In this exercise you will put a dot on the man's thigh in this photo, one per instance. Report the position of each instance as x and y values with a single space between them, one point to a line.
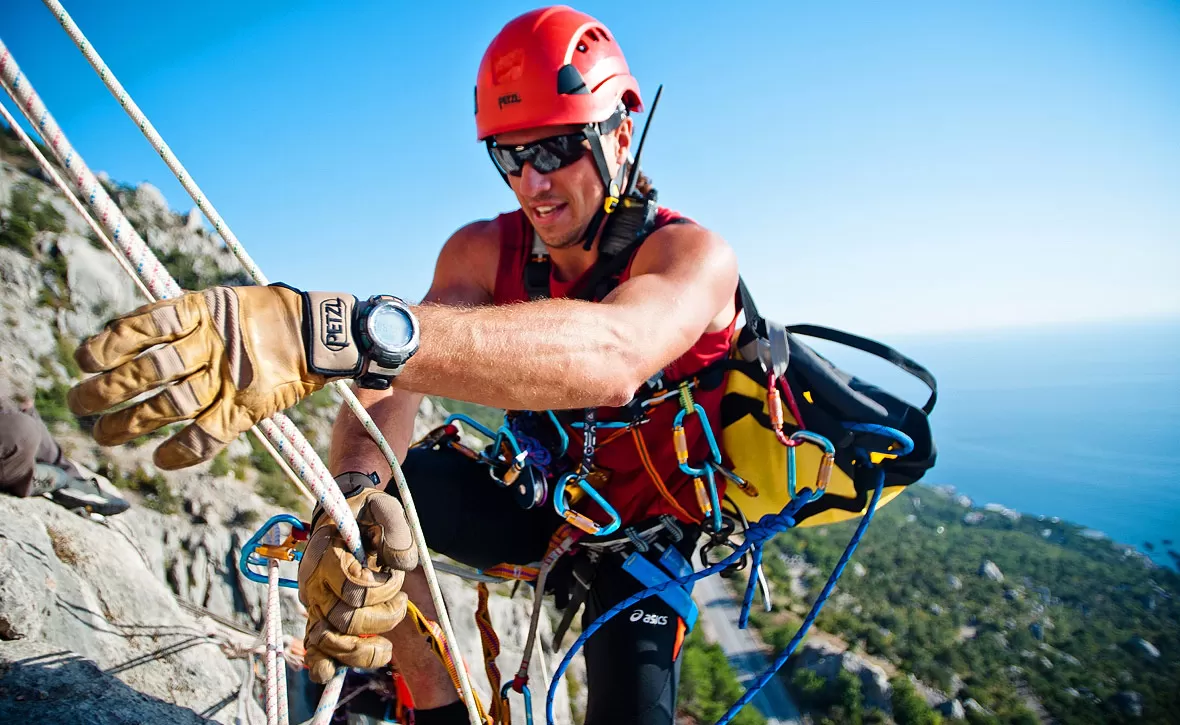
633 661
470 519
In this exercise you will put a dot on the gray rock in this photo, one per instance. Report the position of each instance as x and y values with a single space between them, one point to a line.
40 682
99 288
953 710
73 586
973 517
1130 702
963 501
1148 649
1003 511
858 569
933 696
936 609
989 570
827 661
954 582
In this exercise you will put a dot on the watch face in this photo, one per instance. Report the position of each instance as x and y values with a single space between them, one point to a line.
389 327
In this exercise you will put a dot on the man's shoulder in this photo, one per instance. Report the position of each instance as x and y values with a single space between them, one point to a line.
471 255
681 235
484 234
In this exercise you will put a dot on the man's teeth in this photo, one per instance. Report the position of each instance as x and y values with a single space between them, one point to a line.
543 210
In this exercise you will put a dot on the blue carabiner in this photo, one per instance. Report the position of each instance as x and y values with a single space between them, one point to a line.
565 439
528 699
582 521
251 557
680 440
469 421
824 473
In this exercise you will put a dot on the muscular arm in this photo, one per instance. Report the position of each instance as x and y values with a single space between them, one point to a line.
560 354
548 354
464 276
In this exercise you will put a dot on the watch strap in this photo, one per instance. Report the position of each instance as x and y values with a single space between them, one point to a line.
331 345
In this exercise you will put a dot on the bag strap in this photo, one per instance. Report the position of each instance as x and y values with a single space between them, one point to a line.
759 327
873 347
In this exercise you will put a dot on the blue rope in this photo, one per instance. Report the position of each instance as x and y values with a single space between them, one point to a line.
751 585
759 533
905 447
765 677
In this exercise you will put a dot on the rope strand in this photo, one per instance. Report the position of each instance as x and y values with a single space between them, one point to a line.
235 246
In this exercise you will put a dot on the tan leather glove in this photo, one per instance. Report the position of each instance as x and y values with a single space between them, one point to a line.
350 606
229 356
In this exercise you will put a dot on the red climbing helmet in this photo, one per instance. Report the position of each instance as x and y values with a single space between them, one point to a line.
548 67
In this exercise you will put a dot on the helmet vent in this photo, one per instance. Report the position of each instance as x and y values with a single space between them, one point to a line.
570 82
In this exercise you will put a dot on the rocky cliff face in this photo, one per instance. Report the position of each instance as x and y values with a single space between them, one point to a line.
144 617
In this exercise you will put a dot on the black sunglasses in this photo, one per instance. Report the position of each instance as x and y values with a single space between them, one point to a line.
546 155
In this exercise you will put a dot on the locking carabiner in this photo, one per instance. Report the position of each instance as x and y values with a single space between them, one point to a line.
255 553
523 689
580 520
824 474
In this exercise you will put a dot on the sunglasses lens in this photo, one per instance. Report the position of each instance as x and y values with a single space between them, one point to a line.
507 160
546 156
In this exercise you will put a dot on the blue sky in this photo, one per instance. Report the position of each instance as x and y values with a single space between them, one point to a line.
885 168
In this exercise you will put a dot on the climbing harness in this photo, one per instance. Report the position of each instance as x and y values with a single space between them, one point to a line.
286 438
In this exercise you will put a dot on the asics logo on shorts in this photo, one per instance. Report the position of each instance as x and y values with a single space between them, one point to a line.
640 616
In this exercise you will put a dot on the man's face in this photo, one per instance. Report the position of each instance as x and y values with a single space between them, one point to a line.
561 204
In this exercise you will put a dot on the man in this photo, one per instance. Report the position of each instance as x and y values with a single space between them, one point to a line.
33 464
520 315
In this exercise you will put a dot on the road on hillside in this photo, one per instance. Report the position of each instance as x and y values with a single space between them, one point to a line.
719 617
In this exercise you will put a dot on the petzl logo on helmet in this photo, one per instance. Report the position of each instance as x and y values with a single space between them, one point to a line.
508 99
333 330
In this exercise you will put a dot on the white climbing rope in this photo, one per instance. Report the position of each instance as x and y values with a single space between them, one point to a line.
280 430
160 284
231 240
276 693
104 237
276 665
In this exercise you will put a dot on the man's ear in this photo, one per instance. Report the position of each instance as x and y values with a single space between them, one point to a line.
624 135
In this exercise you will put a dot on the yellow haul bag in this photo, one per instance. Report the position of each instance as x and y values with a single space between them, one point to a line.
820 398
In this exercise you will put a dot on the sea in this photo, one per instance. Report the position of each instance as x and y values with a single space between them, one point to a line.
1078 422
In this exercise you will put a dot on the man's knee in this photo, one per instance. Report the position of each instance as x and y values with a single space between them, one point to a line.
20 435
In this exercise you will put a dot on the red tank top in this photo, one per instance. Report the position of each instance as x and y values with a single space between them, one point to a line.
644 479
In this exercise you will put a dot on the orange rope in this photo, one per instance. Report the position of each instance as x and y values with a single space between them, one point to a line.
645 456
437 641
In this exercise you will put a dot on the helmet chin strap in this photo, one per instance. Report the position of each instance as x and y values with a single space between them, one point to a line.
612 184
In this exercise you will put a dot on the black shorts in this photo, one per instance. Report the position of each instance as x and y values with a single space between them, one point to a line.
632 662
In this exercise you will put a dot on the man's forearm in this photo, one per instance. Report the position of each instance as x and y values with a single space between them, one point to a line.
556 354
352 448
